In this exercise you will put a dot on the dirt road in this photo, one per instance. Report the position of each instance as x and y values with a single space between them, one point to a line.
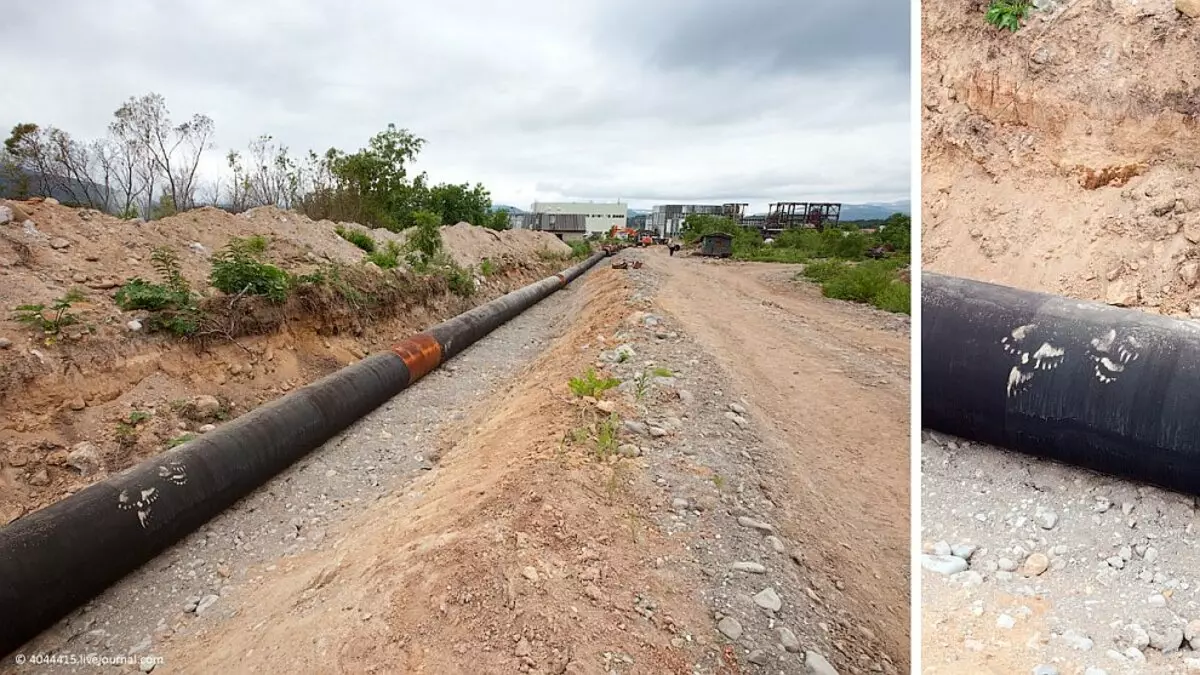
833 381
718 532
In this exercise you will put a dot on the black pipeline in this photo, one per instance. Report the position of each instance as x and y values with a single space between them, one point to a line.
1110 389
57 558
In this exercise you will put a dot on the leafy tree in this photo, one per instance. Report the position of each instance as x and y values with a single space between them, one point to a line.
498 220
897 231
699 224
376 176
460 203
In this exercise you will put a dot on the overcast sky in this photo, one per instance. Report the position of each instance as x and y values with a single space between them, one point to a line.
649 101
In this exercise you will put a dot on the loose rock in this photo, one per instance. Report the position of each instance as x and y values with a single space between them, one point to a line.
84 458
768 599
944 564
1035 564
788 639
730 628
206 602
752 567
746 521
816 664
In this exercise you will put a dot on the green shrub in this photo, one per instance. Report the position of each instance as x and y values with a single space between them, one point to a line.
358 238
387 258
172 302
1007 14
237 270
897 297
824 270
460 280
487 268
425 237
860 283
580 249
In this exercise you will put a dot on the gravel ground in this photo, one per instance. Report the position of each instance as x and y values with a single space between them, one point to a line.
291 513
713 468
1030 566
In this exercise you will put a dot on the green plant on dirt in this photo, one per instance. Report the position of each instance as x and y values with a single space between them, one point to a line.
126 435
356 237
606 436
238 269
36 316
180 440
718 481
872 282
388 257
823 270
424 238
591 385
172 303
580 249
459 279
1007 14
641 381
137 417
487 268
75 295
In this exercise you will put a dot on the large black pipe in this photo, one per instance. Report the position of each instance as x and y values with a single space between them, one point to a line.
1106 388
57 558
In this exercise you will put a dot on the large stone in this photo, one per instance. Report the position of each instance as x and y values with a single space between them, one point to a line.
1122 293
205 407
944 564
84 458
1189 271
768 599
1189 7
815 664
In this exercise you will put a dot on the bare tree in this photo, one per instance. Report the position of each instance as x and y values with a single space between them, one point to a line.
171 153
60 166
272 176
239 187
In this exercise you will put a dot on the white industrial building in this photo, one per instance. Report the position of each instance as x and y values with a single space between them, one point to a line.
599 217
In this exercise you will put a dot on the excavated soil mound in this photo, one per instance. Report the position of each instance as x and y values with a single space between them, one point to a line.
102 395
1064 157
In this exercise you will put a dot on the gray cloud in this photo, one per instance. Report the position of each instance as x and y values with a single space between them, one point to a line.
757 100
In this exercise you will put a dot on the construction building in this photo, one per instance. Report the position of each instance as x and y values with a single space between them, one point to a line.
667 219
598 217
565 226
816 215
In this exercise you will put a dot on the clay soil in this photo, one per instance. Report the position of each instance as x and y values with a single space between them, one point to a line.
125 395
1064 158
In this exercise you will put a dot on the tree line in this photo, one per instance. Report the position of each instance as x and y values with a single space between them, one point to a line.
147 166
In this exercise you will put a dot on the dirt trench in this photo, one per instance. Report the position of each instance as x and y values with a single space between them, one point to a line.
100 397
1066 157
489 530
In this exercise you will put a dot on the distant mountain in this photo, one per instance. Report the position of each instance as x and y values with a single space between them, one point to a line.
875 210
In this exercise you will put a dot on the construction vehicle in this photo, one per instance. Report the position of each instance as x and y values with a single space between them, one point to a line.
626 233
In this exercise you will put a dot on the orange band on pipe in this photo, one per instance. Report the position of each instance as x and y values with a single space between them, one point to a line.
561 278
421 353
